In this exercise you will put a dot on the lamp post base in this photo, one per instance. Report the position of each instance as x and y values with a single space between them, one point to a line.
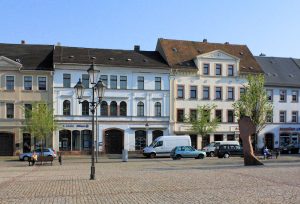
92 176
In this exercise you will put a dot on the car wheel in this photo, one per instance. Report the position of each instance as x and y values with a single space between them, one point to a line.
178 156
211 154
226 155
152 155
200 156
25 158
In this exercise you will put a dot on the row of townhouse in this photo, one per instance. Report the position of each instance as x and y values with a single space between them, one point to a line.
148 93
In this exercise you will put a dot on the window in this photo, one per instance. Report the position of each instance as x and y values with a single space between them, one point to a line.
113 108
205 69
10 109
294 96
157 109
270 94
85 80
218 69
66 107
28 109
157 83
10 82
180 91
282 116
269 116
67 80
85 108
294 116
205 92
230 70
141 83
230 93
218 93
113 81
27 83
193 115
282 95
42 83
104 108
230 116
218 115
140 109
193 92
123 108
104 79
242 91
123 82
180 115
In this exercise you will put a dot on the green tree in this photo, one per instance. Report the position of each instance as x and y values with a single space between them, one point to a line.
201 122
254 103
39 121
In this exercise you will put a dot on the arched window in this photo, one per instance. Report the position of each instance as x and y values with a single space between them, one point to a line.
140 109
157 109
104 108
85 108
66 107
113 108
140 139
123 108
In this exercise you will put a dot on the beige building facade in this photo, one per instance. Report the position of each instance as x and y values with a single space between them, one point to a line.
25 78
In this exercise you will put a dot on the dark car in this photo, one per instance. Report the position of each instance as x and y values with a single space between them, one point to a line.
228 150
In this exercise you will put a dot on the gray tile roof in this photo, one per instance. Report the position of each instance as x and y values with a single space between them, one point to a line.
32 57
109 57
280 71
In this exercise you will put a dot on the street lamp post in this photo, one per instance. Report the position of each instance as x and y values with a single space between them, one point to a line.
98 90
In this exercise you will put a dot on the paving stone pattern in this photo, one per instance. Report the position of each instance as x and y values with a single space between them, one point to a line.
150 181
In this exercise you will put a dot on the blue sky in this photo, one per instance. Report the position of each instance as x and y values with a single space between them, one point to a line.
270 27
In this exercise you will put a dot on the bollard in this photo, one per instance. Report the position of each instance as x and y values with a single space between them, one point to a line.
124 155
60 159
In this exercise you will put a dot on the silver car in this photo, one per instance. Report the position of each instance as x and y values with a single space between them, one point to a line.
46 152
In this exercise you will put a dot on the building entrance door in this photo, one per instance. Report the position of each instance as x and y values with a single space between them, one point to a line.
26 142
6 144
114 141
269 140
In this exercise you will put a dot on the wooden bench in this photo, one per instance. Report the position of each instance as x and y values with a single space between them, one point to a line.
42 159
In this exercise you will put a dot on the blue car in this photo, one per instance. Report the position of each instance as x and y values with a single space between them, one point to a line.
186 152
46 152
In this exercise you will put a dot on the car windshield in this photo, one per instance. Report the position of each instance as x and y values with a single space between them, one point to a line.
152 144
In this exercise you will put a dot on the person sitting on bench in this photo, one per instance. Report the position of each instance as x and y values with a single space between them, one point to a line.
267 153
34 158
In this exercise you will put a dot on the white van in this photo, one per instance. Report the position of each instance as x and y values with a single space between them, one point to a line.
163 145
210 149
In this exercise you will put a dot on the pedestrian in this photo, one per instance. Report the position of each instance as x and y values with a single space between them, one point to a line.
33 158
277 153
59 158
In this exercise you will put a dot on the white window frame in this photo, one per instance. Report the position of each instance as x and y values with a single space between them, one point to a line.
14 82
37 82
31 82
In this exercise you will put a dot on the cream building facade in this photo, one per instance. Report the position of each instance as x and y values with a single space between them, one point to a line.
25 77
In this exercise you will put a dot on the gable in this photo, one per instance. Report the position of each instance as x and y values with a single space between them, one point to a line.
8 63
217 54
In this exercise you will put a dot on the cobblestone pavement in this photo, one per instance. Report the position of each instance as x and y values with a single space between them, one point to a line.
162 180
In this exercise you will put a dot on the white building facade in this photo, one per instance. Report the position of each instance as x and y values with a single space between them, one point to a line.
283 87
135 107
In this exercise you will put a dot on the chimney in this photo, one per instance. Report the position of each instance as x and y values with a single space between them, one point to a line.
205 40
23 42
226 43
137 48
262 55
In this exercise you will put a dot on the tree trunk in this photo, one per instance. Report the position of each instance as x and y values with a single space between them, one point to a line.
247 128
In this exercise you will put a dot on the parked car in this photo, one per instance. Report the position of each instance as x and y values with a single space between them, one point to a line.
186 152
228 150
210 149
46 152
